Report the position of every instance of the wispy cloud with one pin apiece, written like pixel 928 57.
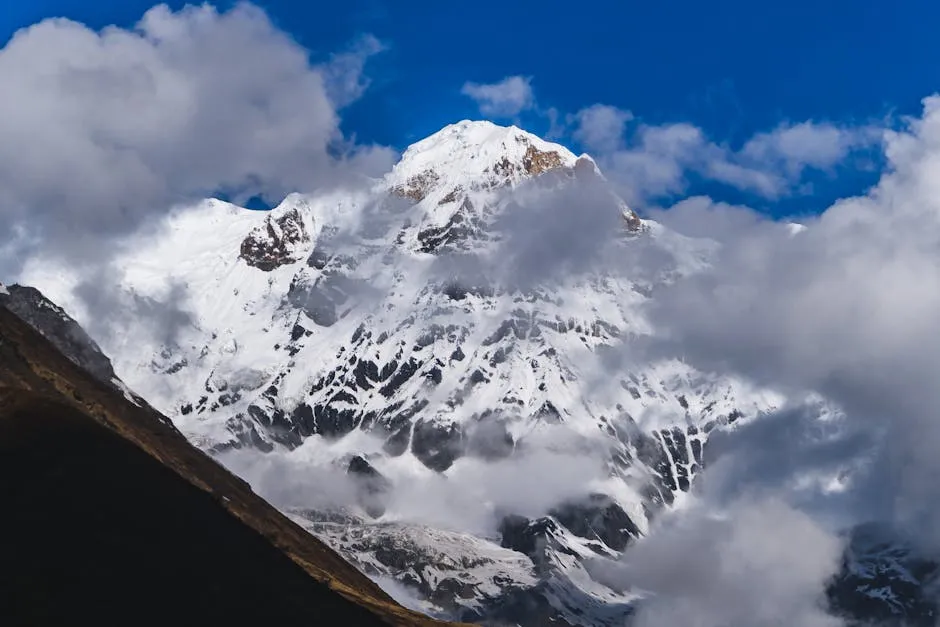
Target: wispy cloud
pixel 344 76
pixel 600 128
pixel 656 160
pixel 504 99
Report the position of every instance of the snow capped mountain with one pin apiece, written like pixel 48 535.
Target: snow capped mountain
pixel 375 323
pixel 417 332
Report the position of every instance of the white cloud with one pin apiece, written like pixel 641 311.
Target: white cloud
pixel 344 78
pixel 505 99
pixel 103 130
pixel 847 308
pixel 472 496
pixel 806 145
pixel 600 127
pixel 657 160
pixel 753 564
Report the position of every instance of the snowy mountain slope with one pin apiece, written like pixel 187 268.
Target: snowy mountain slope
pixel 531 575
pixel 387 322
pixel 454 572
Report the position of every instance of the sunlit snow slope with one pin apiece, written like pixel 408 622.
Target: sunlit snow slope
pixel 422 325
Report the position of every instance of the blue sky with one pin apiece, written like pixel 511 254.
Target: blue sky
pixel 731 68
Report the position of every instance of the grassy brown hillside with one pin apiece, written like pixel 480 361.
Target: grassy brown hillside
pixel 109 514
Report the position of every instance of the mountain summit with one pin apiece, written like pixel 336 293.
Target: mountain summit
pixel 473 156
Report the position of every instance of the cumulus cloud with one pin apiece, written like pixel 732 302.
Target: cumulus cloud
pixel 846 308
pixel 504 99
pixel 806 145
pixel 601 127
pixel 656 160
pixel 840 316
pixel 702 217
pixel 104 130
pixel 757 563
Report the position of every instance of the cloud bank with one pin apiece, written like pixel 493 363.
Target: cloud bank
pixel 104 130
pixel 472 496
pixel 759 563
pixel 847 308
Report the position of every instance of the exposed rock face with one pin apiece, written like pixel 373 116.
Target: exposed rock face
pixel 437 445
pixel 279 241
pixel 416 188
pixel 59 328
pixel 536 161
pixel 633 222
pixel 884 582
pixel 529 537
pixel 598 518
pixel 372 486
pixel 463 225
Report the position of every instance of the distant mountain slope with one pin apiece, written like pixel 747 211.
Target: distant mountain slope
pixel 109 514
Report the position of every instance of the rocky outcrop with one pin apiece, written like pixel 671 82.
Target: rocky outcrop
pixel 884 581
pixel 277 242
pixel 58 327
pixel 438 445
pixel 537 161
pixel 598 517
pixel 371 486
pixel 417 187
pixel 463 225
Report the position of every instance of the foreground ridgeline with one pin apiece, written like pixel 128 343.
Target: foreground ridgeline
pixel 111 517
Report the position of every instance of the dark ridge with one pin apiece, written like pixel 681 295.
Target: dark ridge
pixel 53 323
pixel 110 516
pixel 97 529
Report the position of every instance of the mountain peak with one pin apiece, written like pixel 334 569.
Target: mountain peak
pixel 474 155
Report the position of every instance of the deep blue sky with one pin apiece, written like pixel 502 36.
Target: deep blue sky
pixel 732 67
